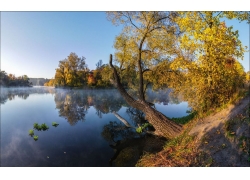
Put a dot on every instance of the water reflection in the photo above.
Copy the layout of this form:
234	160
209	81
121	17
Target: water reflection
73	105
129	145
100	140
22	92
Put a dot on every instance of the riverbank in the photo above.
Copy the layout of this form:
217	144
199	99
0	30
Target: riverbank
221	139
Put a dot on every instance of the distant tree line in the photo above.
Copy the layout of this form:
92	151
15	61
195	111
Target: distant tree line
74	72
12	80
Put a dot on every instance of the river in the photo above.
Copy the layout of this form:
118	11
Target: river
88	133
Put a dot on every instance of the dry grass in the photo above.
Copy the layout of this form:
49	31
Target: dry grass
184	151
178	152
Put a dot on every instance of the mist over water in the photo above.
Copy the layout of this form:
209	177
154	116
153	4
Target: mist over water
87	129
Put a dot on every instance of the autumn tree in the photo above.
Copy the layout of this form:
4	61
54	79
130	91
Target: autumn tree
207	57
248	77
102	75
4	80
72	71
51	82
91	79
12	80
147	39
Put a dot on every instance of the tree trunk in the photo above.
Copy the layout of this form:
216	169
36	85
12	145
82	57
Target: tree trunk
163	126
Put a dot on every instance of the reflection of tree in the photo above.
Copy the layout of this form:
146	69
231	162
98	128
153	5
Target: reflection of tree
22	95
108	101
22	92
137	116
73	104
127	143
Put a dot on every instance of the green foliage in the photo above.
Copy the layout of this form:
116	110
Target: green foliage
35	138
50	83
143	127
71	72
31	132
210	74
44	127
199	59
55	124
38	127
147	40
12	80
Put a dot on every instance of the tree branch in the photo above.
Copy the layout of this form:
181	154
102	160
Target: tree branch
129	18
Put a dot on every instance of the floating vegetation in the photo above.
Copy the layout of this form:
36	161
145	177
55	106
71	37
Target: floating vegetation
44	127
31	132
55	124
37	126
35	138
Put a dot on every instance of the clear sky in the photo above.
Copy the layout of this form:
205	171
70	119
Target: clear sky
33	43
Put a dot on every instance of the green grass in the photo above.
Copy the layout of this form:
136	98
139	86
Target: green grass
141	128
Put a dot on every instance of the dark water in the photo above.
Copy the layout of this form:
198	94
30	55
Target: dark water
87	132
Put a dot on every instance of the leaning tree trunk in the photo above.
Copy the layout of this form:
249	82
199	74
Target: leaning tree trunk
163	126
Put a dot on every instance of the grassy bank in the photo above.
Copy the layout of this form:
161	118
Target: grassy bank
231	137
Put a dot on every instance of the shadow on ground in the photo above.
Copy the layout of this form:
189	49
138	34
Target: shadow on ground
226	141
129	151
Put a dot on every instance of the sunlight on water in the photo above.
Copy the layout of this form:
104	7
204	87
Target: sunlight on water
87	132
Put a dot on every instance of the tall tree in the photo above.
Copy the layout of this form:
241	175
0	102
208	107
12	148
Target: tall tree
147	39
207	55
4	80
71	71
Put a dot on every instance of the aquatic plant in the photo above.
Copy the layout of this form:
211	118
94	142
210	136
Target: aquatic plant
31	132
55	124
37	127
44	127
141	128
35	138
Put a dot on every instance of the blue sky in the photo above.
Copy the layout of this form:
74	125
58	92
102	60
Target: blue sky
33	43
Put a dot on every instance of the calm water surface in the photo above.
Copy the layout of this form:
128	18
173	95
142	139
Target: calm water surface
88	133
